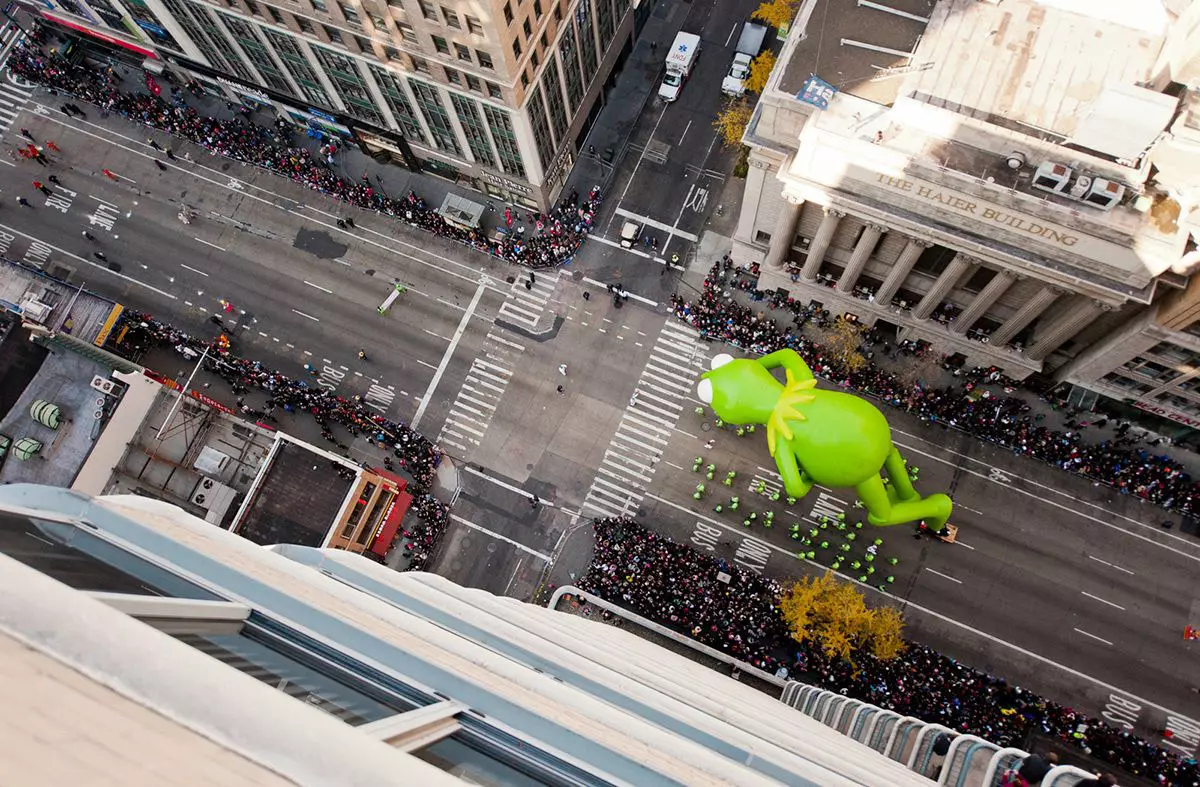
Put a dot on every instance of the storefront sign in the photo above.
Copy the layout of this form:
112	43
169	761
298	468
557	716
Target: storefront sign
203	398
971	206
87	31
257	95
504	183
1169	414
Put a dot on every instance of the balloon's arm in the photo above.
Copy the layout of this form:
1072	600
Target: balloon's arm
789	360
795	482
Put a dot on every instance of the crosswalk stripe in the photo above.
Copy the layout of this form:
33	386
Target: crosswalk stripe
602	510
635	423
621	500
653	384
608	468
459	404
644	407
669	377
508	342
509	308
486	398
455	411
683	332
499	369
618	488
453	433
458	424
684	371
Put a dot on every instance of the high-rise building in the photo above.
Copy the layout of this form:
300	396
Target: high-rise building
495	94
1005	182
141	644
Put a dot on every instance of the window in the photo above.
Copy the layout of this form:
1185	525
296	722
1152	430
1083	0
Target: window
535	59
451	18
494	90
407	32
473	128
762	237
453	76
474	84
334	34
364	45
524	79
979	279
307	671
528	30
351	15
505	138
320	6
508	14
393	95
305	26
378	22
517	48
485	60
934	260
545	41
557	13
473	25
253	8
427	10
392	53
419	64
85	561
462	52
537	7
429	103
276	17
440	45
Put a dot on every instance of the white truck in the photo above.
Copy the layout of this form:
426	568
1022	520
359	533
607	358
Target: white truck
680	60
749	44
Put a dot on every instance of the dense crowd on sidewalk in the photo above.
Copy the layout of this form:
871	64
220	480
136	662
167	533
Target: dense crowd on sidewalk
537	240
1121	463
679	587
416	455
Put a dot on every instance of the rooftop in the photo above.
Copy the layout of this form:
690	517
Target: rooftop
297	497
1028	63
858	48
39	297
62	379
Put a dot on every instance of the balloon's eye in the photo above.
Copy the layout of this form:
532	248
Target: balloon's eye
720	359
704	391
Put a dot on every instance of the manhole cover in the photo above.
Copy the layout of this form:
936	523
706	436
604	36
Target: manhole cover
491	547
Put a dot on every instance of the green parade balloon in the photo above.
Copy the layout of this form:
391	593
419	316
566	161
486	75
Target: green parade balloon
830	438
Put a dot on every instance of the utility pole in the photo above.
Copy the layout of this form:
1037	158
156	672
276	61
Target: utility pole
186	387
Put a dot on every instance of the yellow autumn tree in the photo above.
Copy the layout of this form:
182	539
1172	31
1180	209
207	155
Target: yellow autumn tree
834	616
731	121
844	342
760	71
776	13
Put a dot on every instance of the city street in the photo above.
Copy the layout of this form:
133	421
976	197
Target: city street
1057	584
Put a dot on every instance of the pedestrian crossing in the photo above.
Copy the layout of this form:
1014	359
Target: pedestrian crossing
666	387
525	307
14	91
480	394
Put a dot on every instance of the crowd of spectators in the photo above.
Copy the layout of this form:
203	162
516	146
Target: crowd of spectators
678	587
537	240
1122	462
415	454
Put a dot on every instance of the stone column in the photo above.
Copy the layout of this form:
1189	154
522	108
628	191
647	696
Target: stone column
858	260
1070	322
899	272
983	301
1032	309
783	235
944	284
820	244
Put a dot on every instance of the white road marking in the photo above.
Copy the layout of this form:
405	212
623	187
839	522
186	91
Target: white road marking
309	316
97	265
319	287
1110	565
441	368
193	270
943	576
1098	639
1102	601
961	544
206	243
505	539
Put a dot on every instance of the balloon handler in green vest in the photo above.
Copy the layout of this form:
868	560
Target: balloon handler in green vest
820	437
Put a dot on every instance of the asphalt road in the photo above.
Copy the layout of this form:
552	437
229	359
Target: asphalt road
1053	583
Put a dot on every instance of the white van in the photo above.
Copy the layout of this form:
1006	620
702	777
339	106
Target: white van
680	60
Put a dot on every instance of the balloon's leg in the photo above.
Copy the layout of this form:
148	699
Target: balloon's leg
883	511
898	473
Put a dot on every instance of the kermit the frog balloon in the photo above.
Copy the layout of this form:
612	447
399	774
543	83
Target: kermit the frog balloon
820	437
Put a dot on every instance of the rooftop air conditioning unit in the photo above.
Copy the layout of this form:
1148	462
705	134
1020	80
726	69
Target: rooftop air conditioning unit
104	385
214	497
1104	194
1080	187
34	310
1015	160
1052	176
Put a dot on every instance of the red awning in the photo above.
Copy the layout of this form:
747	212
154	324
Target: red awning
150	53
391	525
